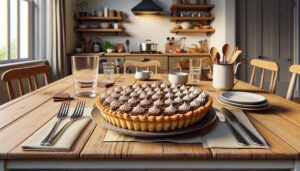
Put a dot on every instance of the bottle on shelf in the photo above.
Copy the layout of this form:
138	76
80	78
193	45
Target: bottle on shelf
96	46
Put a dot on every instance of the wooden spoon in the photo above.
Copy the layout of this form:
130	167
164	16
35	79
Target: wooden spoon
213	53
218	57
234	57
226	51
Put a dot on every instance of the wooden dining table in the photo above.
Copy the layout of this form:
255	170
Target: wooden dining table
22	117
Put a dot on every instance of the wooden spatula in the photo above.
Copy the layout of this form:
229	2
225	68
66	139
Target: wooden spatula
218	57
234	56
213	53
226	51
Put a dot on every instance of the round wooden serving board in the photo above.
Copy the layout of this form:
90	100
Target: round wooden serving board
207	120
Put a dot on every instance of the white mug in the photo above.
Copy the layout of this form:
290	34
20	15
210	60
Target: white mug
116	25
143	75
224	75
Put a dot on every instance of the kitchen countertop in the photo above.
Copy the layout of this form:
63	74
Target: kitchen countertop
145	54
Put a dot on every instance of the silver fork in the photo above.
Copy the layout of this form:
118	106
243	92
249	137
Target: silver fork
78	112
62	114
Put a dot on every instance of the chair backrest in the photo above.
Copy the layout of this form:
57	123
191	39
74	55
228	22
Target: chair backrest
294	69
139	64
184	63
29	74
265	65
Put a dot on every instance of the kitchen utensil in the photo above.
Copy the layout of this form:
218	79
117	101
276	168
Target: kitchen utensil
234	57
127	43
77	114
238	137
204	46
247	132
180	78
218	57
243	97
148	46
208	119
243	108
226	51
223	76
213	54
143	75
62	114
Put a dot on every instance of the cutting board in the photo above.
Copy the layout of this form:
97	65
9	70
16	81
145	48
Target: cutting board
170	47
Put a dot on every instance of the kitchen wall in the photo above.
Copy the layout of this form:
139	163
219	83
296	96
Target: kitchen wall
156	28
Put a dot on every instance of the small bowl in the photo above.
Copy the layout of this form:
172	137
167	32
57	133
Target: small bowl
105	25
83	26
178	78
78	50
110	50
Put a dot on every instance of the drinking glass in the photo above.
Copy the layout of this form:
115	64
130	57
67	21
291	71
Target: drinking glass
108	70
195	70
85	75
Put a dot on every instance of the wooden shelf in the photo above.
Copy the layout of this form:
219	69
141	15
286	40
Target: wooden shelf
207	31
192	18
99	18
99	30
193	6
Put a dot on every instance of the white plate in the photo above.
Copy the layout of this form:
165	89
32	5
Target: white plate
243	97
244	108
259	105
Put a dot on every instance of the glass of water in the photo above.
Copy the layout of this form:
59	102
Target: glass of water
109	70
85	75
195	69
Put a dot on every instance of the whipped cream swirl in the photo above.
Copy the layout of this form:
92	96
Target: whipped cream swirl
170	110
148	89
183	87
145	85
169	101
186	98
108	100
194	104
145	102
158	102
154	110
125	107
115	95
132	101
123	98
184	107
115	104
150	93
138	109
178	100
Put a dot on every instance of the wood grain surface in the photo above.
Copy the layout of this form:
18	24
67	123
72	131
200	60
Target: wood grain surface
22	117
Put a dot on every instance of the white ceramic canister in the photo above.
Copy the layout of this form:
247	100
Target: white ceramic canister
106	10
223	76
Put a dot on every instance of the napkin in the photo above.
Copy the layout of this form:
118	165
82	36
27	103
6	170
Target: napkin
66	140
219	136
222	137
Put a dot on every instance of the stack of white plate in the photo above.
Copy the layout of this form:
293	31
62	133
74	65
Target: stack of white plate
244	101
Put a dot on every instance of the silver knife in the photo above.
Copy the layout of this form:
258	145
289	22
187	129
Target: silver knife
254	139
238	137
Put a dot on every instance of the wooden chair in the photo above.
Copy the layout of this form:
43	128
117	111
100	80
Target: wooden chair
28	74
184	64
294	69
139	64
265	65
